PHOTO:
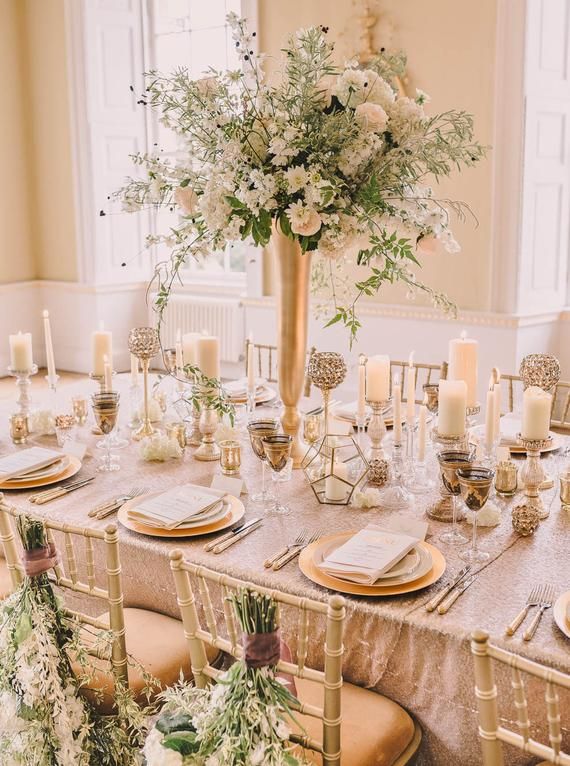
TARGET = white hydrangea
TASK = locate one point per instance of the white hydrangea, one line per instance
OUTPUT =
(356, 86)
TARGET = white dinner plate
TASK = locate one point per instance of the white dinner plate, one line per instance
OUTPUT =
(559, 613)
(211, 517)
(413, 566)
(43, 473)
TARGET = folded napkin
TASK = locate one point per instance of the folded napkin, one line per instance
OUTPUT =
(20, 463)
(348, 410)
(510, 428)
(368, 554)
(177, 506)
(239, 387)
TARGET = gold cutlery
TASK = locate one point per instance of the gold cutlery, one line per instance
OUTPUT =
(220, 547)
(432, 605)
(445, 606)
(546, 600)
(46, 497)
(240, 526)
(532, 600)
(115, 503)
(299, 540)
(295, 551)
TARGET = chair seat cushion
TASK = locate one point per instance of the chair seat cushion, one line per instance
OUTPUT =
(5, 580)
(374, 731)
(154, 642)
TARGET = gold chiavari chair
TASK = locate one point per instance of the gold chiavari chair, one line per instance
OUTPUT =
(560, 413)
(265, 362)
(154, 642)
(491, 733)
(425, 374)
(339, 722)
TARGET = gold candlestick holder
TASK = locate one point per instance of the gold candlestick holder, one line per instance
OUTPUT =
(144, 344)
(533, 474)
(24, 383)
(208, 449)
(379, 465)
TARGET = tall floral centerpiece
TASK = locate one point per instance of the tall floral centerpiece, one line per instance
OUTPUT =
(327, 164)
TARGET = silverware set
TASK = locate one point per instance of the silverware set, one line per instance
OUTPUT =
(39, 498)
(292, 550)
(541, 596)
(236, 533)
(106, 509)
(448, 595)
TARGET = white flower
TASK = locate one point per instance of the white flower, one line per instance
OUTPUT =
(159, 447)
(155, 190)
(296, 178)
(186, 198)
(371, 117)
(367, 499)
(304, 220)
(422, 97)
(355, 86)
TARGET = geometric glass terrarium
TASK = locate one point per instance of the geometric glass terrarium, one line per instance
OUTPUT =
(335, 468)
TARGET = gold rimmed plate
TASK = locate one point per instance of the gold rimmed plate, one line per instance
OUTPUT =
(234, 513)
(264, 396)
(313, 573)
(559, 613)
(70, 470)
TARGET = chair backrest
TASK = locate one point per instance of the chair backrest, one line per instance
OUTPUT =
(197, 636)
(425, 374)
(66, 575)
(560, 413)
(265, 363)
(491, 733)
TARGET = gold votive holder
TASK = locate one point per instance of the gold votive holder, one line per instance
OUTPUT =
(230, 457)
(64, 427)
(506, 477)
(19, 428)
(313, 427)
(565, 491)
(80, 409)
(177, 431)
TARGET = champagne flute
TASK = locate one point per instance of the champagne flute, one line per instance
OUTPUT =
(258, 430)
(449, 462)
(277, 452)
(475, 483)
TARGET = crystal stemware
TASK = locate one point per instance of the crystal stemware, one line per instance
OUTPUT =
(277, 452)
(475, 484)
(105, 412)
(258, 430)
(449, 462)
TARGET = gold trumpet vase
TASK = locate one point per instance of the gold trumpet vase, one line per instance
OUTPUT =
(294, 268)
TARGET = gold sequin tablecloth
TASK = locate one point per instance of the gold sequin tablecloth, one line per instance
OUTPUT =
(392, 645)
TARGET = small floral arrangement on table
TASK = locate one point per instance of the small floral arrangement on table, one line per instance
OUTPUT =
(44, 719)
(244, 720)
(334, 156)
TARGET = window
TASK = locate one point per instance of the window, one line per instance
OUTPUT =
(194, 34)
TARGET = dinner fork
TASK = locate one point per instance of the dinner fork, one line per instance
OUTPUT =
(299, 540)
(295, 551)
(545, 603)
(106, 510)
(532, 600)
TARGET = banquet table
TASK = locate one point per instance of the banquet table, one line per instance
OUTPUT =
(392, 645)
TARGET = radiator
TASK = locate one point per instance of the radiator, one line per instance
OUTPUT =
(223, 317)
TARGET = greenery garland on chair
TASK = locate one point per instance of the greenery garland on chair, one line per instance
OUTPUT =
(44, 719)
(244, 720)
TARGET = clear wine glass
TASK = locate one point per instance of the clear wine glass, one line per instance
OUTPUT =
(277, 452)
(449, 462)
(258, 430)
(475, 483)
(105, 411)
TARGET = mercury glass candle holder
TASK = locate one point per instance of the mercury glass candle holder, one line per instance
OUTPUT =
(144, 344)
(230, 457)
(19, 428)
(506, 478)
(24, 383)
(533, 474)
(80, 407)
(177, 431)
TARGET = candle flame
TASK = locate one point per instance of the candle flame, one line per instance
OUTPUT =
(362, 359)
(463, 334)
(105, 359)
(45, 314)
(411, 359)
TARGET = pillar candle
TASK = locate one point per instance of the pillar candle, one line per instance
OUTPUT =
(361, 401)
(411, 391)
(452, 407)
(397, 410)
(107, 373)
(335, 489)
(463, 364)
(250, 365)
(134, 370)
(490, 416)
(208, 355)
(189, 350)
(422, 422)
(102, 345)
(50, 361)
(378, 378)
(536, 413)
(21, 358)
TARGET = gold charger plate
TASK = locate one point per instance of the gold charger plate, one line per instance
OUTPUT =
(309, 569)
(559, 613)
(72, 468)
(267, 395)
(234, 514)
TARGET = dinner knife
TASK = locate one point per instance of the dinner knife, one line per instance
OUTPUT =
(240, 526)
(61, 492)
(443, 608)
(220, 547)
(47, 492)
(438, 598)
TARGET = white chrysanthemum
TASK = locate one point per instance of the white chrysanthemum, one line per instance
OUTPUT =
(406, 116)
(296, 178)
(304, 220)
(357, 86)
(371, 117)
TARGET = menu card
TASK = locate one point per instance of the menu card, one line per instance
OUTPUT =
(368, 554)
(176, 506)
(25, 461)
